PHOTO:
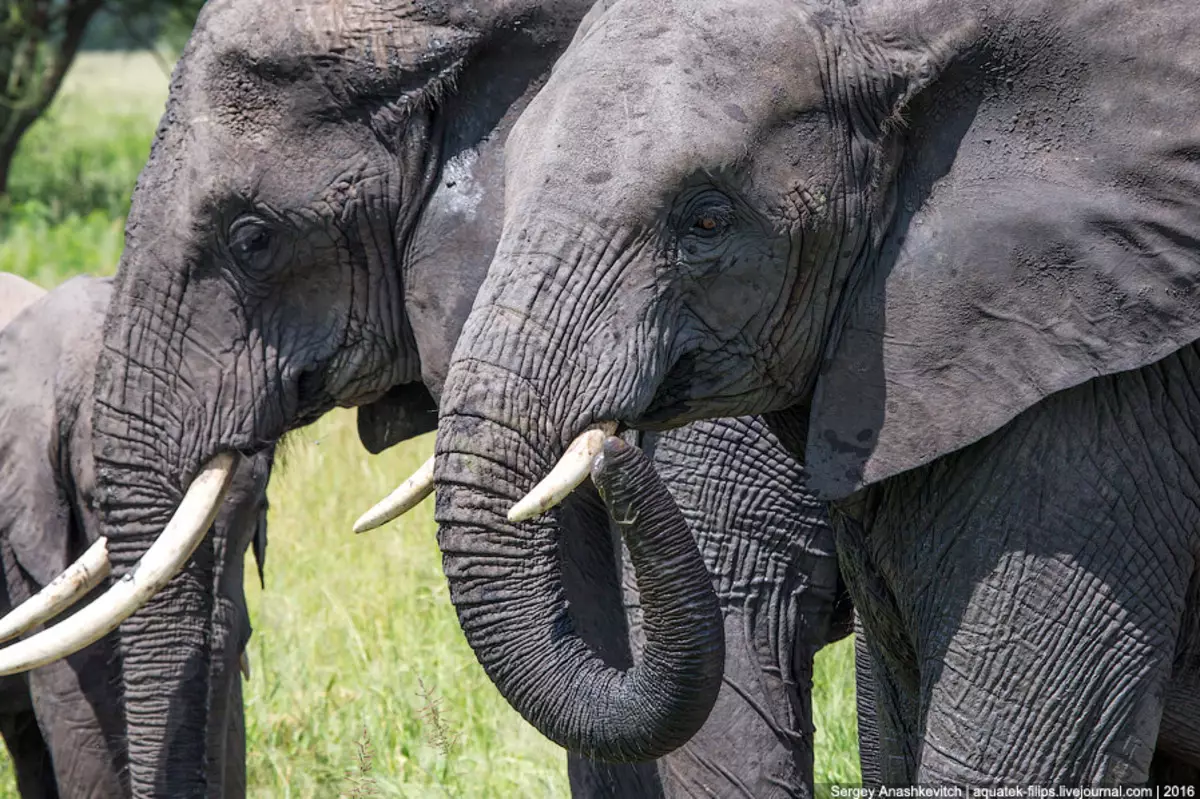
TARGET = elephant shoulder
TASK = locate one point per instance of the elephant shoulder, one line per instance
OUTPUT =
(16, 294)
(47, 356)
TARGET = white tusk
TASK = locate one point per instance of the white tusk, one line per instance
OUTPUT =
(162, 561)
(244, 664)
(62, 592)
(571, 470)
(399, 502)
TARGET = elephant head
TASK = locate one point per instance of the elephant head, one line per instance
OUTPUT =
(320, 203)
(862, 217)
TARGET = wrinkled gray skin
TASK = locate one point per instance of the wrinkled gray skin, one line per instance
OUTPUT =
(322, 200)
(952, 246)
(63, 723)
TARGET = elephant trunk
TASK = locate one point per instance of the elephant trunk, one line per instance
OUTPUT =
(497, 437)
(164, 646)
(156, 420)
(506, 583)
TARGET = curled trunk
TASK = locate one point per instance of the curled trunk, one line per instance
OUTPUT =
(506, 583)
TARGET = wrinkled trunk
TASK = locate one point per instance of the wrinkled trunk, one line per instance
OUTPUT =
(158, 414)
(507, 415)
(506, 583)
(164, 646)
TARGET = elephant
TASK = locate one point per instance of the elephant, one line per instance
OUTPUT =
(16, 294)
(63, 722)
(320, 204)
(950, 251)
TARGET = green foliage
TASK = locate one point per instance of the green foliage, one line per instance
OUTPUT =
(75, 170)
(362, 682)
(39, 40)
(141, 24)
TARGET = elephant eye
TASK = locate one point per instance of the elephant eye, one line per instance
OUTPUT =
(710, 222)
(250, 242)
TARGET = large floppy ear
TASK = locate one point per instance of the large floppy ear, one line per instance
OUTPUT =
(1045, 230)
(405, 412)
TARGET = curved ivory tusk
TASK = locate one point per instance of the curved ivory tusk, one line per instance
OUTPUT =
(61, 593)
(244, 664)
(571, 470)
(399, 502)
(162, 561)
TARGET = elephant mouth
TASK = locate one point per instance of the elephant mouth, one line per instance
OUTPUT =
(572, 469)
(168, 555)
(568, 473)
(162, 561)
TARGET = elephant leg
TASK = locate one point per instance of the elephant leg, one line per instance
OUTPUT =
(767, 544)
(1050, 673)
(885, 664)
(77, 711)
(592, 779)
(888, 719)
(744, 751)
(742, 738)
(592, 580)
(26, 747)
(1045, 676)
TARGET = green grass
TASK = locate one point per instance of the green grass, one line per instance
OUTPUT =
(835, 715)
(355, 638)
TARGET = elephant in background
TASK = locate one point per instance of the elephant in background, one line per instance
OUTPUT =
(320, 204)
(951, 250)
(16, 294)
(63, 723)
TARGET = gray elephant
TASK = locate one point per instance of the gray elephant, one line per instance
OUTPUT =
(321, 202)
(16, 294)
(952, 248)
(63, 723)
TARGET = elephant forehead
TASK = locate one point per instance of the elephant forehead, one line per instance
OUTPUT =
(655, 92)
(267, 29)
(257, 63)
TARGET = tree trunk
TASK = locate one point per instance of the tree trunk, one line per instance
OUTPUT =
(35, 59)
(8, 148)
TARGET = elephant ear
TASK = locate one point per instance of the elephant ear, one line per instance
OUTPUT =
(1044, 233)
(406, 411)
(47, 356)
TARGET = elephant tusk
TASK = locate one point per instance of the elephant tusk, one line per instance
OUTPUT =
(571, 470)
(162, 561)
(399, 502)
(61, 593)
(244, 664)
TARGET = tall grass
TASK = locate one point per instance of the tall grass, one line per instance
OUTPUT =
(356, 636)
(361, 680)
